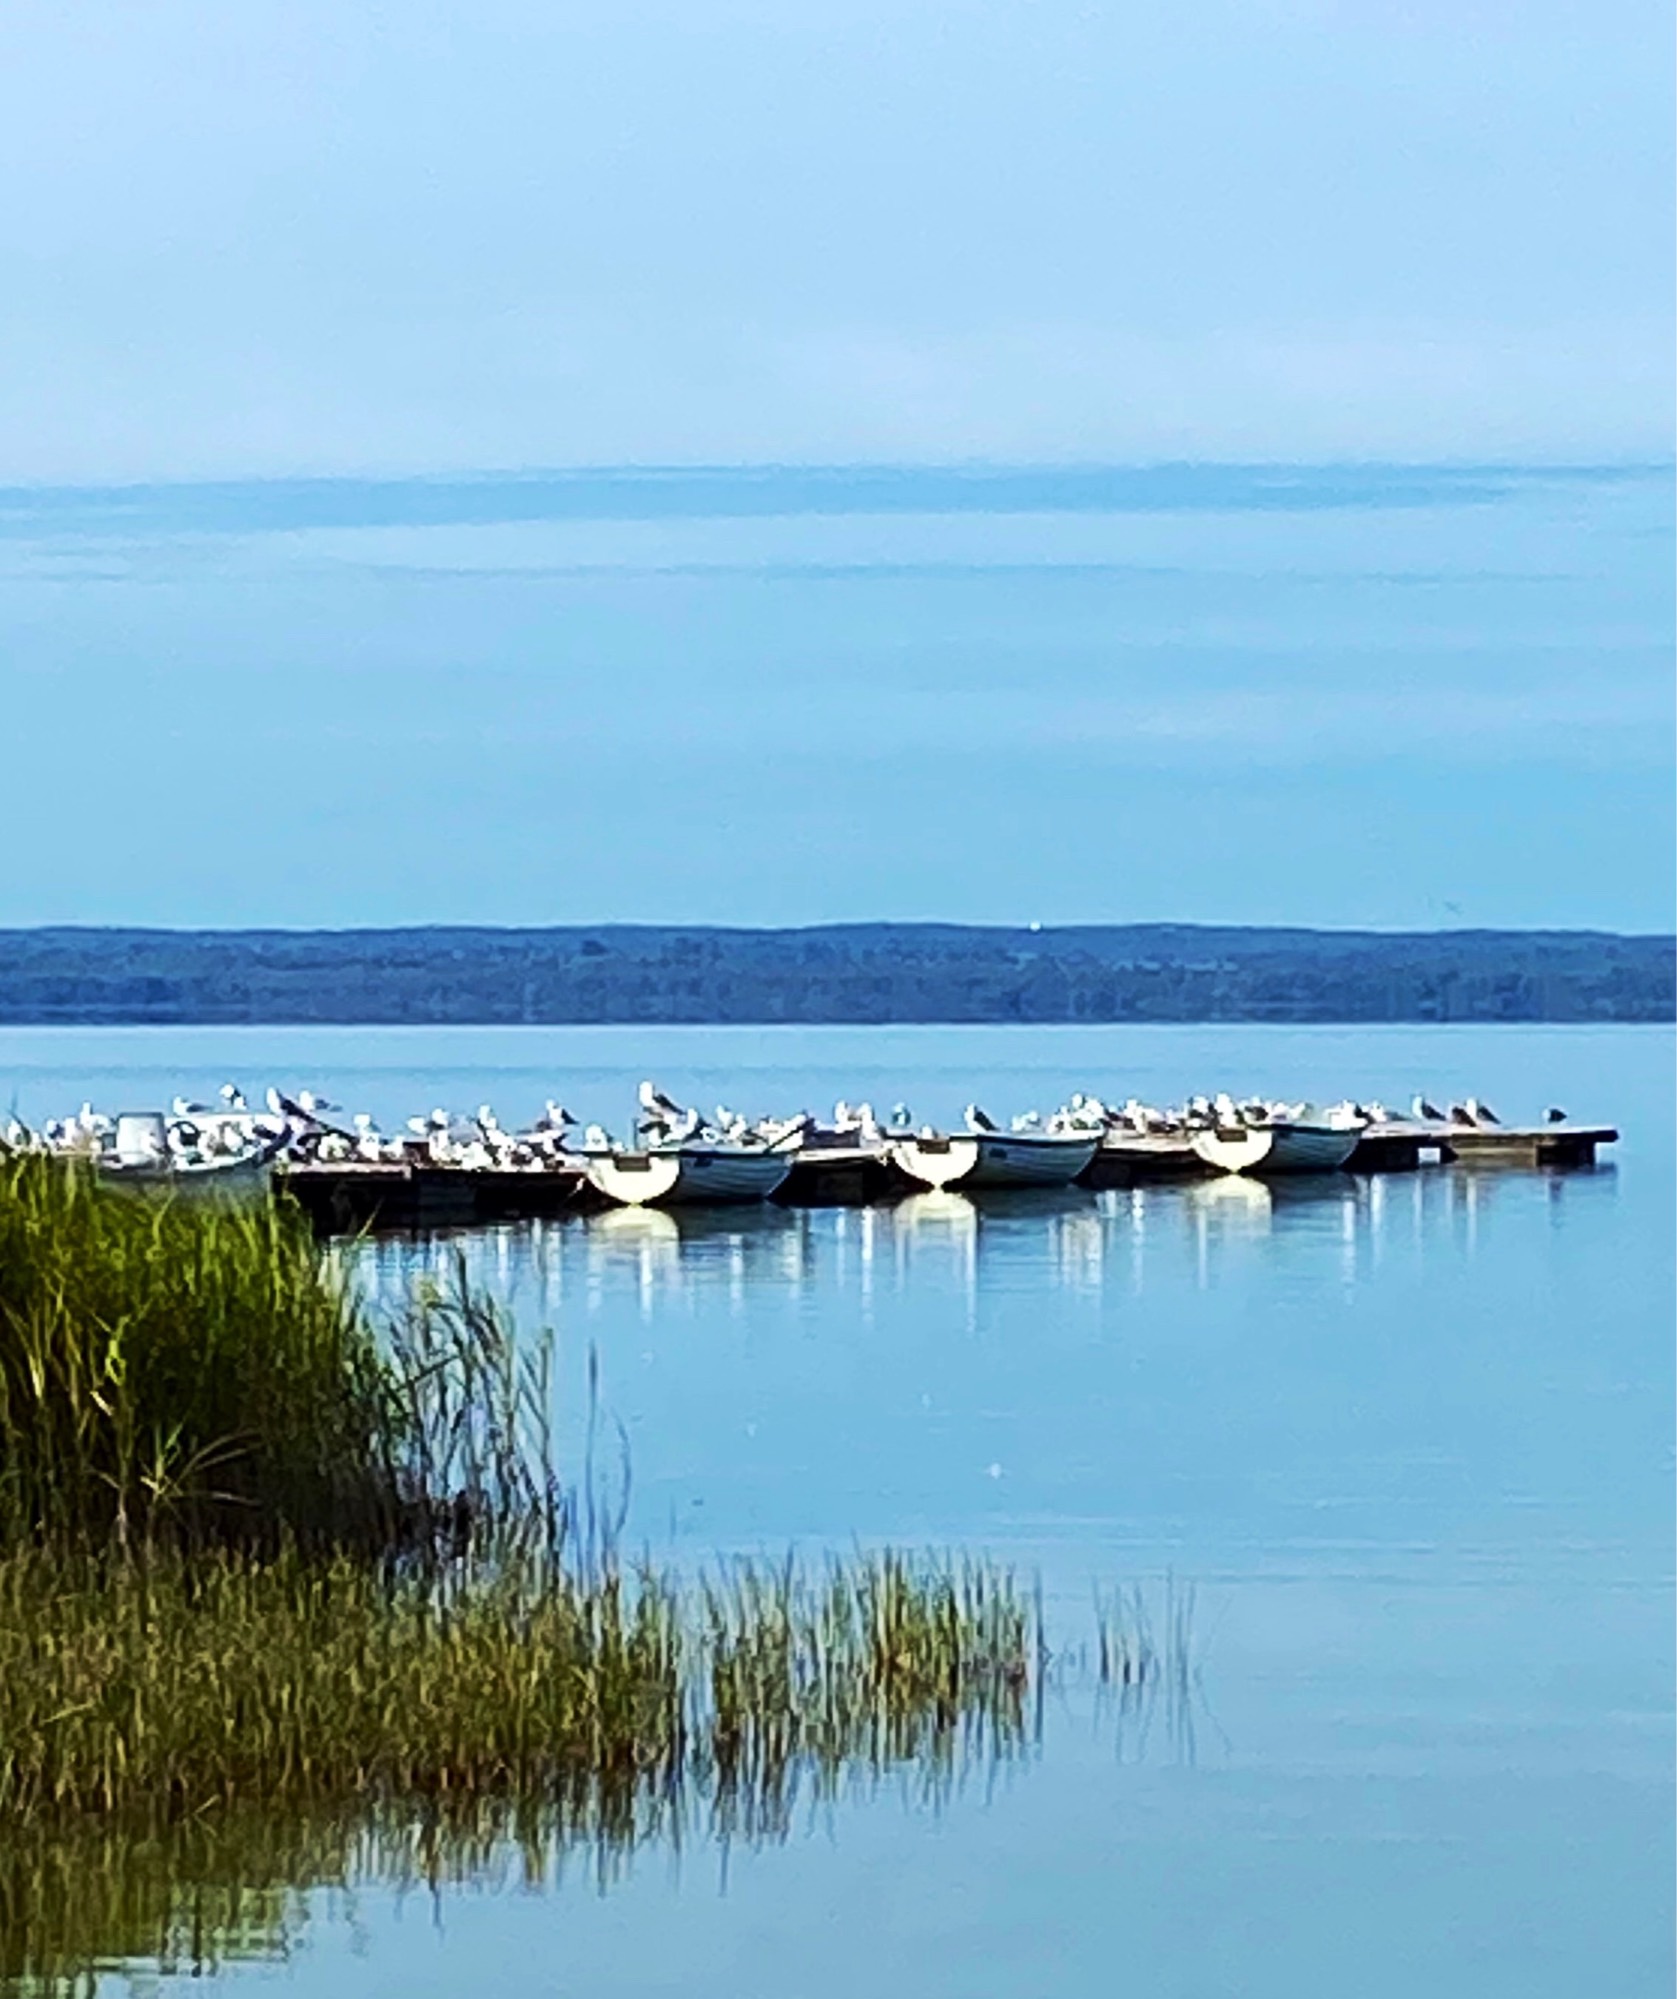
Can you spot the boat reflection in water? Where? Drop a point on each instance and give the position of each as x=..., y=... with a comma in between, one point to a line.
x=1062, y=1240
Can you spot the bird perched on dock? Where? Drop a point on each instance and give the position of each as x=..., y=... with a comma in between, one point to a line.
x=1555, y=1115
x=1428, y=1113
x=1481, y=1113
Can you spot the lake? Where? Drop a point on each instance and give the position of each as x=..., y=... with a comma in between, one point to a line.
x=1406, y=1440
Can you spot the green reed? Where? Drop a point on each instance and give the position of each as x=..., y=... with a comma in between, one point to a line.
x=201, y=1371
x=266, y=1565
x=194, y=1365
x=190, y=1681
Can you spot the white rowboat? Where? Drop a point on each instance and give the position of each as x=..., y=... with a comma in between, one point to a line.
x=1282, y=1145
x=688, y=1173
x=995, y=1159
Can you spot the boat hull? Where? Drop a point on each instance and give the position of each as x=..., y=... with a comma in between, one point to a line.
x=1274, y=1149
x=699, y=1175
x=994, y=1159
x=234, y=1178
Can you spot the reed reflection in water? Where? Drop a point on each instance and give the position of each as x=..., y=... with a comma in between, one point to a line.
x=84, y=1896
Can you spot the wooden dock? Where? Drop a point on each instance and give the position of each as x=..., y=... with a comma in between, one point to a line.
x=347, y=1199
x=352, y=1197
x=1402, y=1145
x=1138, y=1161
x=842, y=1176
x=1554, y=1145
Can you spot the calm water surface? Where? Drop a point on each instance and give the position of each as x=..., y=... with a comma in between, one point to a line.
x=1409, y=1439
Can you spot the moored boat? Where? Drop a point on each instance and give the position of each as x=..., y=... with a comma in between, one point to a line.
x=1277, y=1145
x=148, y=1149
x=971, y=1159
x=694, y=1172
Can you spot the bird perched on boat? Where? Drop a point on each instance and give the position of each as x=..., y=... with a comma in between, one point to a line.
x=1428, y=1113
x=1555, y=1115
x=977, y=1120
x=654, y=1102
x=233, y=1097
x=786, y=1135
x=901, y=1118
x=556, y=1117
x=1481, y=1113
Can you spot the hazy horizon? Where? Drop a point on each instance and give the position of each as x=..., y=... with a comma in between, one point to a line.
x=1400, y=698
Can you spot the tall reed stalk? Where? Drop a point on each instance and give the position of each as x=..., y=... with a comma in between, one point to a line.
x=190, y=1368
x=202, y=1373
x=261, y=1556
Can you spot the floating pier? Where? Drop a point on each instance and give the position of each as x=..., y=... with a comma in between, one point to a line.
x=346, y=1199
x=842, y=1176
x=1400, y=1146
x=352, y=1197
x=1564, y=1145
x=1135, y=1162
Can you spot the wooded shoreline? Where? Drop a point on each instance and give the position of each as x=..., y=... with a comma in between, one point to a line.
x=840, y=974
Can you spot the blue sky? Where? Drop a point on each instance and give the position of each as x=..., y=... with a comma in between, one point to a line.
x=411, y=255
x=300, y=235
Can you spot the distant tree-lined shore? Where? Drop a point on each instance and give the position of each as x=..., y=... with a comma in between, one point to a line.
x=842, y=973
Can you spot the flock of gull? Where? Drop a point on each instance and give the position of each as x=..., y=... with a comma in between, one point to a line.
x=676, y=1152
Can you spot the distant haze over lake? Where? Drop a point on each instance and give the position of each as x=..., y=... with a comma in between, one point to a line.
x=1395, y=696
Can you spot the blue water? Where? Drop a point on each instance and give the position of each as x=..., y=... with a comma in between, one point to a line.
x=1408, y=1439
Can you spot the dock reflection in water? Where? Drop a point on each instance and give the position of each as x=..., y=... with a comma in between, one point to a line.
x=1053, y=1240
